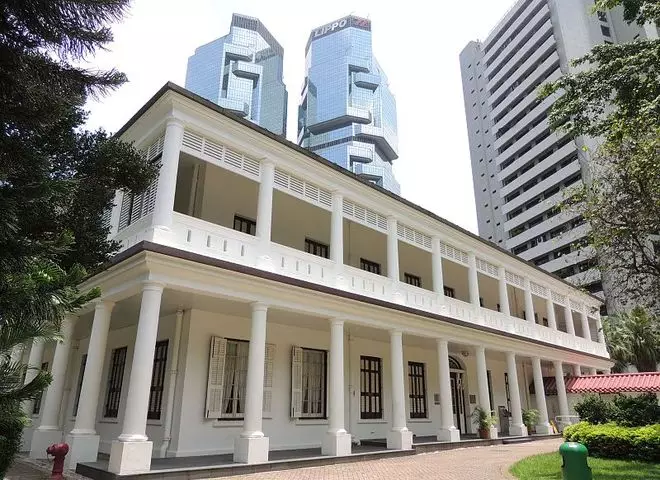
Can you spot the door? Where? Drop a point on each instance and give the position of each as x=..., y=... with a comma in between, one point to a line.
x=458, y=401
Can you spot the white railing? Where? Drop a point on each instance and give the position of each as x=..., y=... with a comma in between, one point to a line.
x=212, y=240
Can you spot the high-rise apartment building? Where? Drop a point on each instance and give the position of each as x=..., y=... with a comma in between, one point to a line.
x=243, y=72
x=520, y=168
x=347, y=112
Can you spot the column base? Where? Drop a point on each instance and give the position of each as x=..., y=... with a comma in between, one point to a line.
x=399, y=440
x=82, y=448
x=448, y=435
x=130, y=457
x=544, y=429
x=336, y=444
x=251, y=450
x=518, y=430
x=41, y=440
x=26, y=439
x=492, y=432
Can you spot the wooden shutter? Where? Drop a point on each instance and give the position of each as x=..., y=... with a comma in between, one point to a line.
x=125, y=212
x=296, y=381
x=268, y=378
x=214, y=388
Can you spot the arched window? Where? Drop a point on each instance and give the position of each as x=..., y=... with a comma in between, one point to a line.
x=454, y=364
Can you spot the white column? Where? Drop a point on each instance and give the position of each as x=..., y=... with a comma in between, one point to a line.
x=529, y=301
x=601, y=333
x=568, y=316
x=561, y=394
x=550, y=307
x=504, y=292
x=392, y=250
x=83, y=440
x=265, y=201
x=517, y=427
x=473, y=279
x=252, y=446
x=164, y=204
x=49, y=430
x=399, y=437
x=593, y=371
x=337, y=441
x=33, y=368
x=436, y=267
x=448, y=432
x=577, y=370
x=584, y=320
x=16, y=353
x=543, y=425
x=131, y=452
x=337, y=229
x=482, y=383
x=171, y=387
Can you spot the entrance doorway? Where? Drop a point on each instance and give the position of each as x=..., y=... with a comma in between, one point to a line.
x=456, y=377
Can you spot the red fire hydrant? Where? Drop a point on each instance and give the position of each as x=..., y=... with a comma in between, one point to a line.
x=59, y=451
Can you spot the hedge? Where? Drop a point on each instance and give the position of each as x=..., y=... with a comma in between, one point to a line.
x=613, y=441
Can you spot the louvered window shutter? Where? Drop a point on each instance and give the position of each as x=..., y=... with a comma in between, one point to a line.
x=214, y=388
x=268, y=378
x=296, y=381
x=136, y=211
x=125, y=213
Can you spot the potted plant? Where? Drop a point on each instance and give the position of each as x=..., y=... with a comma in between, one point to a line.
x=483, y=420
x=530, y=419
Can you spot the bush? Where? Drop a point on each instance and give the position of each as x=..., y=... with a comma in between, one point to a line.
x=636, y=411
x=594, y=409
x=615, y=441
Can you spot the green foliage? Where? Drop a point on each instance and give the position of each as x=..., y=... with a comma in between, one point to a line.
x=482, y=418
x=547, y=466
x=633, y=339
x=530, y=418
x=614, y=441
x=594, y=409
x=636, y=411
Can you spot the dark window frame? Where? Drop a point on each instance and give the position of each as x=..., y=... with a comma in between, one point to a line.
x=417, y=390
x=36, y=406
x=369, y=266
x=449, y=291
x=115, y=381
x=317, y=248
x=324, y=389
x=157, y=387
x=81, y=376
x=245, y=225
x=412, y=279
x=371, y=387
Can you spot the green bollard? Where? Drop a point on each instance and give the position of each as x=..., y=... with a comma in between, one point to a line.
x=575, y=465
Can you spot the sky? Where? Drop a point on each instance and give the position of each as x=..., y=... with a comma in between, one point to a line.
x=417, y=43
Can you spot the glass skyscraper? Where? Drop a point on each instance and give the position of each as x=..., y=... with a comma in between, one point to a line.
x=242, y=72
x=347, y=113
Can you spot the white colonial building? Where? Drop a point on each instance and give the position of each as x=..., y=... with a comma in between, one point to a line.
x=266, y=299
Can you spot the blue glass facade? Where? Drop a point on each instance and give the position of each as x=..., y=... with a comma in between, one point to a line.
x=243, y=72
x=347, y=113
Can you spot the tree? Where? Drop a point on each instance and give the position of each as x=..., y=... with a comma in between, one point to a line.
x=614, y=95
x=633, y=339
x=56, y=179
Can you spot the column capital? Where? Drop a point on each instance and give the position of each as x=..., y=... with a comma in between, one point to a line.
x=391, y=222
x=527, y=283
x=174, y=121
x=267, y=162
x=396, y=333
x=153, y=286
x=259, y=307
x=480, y=348
x=101, y=304
x=336, y=321
x=337, y=194
x=442, y=341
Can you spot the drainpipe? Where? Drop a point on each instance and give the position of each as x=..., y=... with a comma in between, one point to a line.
x=167, y=427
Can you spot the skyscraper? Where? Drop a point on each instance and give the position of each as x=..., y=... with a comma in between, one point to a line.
x=519, y=166
x=347, y=113
x=242, y=72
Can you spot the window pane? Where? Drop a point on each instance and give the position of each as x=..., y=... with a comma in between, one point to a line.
x=314, y=383
x=115, y=380
x=157, y=380
x=233, y=403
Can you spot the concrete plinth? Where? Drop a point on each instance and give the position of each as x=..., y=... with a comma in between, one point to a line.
x=448, y=435
x=251, y=450
x=336, y=444
x=492, y=432
x=399, y=440
x=544, y=429
x=518, y=430
x=130, y=457
x=82, y=448
x=41, y=440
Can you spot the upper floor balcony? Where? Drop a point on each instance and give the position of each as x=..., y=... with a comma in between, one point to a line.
x=231, y=191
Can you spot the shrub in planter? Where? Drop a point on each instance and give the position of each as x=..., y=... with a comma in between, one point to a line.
x=636, y=411
x=483, y=420
x=530, y=419
x=594, y=409
x=614, y=441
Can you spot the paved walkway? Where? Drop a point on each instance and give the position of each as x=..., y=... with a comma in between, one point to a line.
x=476, y=463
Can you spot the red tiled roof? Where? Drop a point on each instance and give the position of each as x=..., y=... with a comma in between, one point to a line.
x=615, y=383
x=612, y=383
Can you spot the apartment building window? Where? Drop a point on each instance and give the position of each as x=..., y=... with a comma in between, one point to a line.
x=81, y=375
x=602, y=16
x=317, y=248
x=605, y=30
x=235, y=376
x=115, y=380
x=449, y=292
x=314, y=371
x=413, y=280
x=506, y=389
x=370, y=266
x=417, y=390
x=157, y=380
x=371, y=405
x=37, y=400
x=245, y=225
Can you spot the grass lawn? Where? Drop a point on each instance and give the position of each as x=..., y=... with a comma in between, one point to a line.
x=548, y=467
